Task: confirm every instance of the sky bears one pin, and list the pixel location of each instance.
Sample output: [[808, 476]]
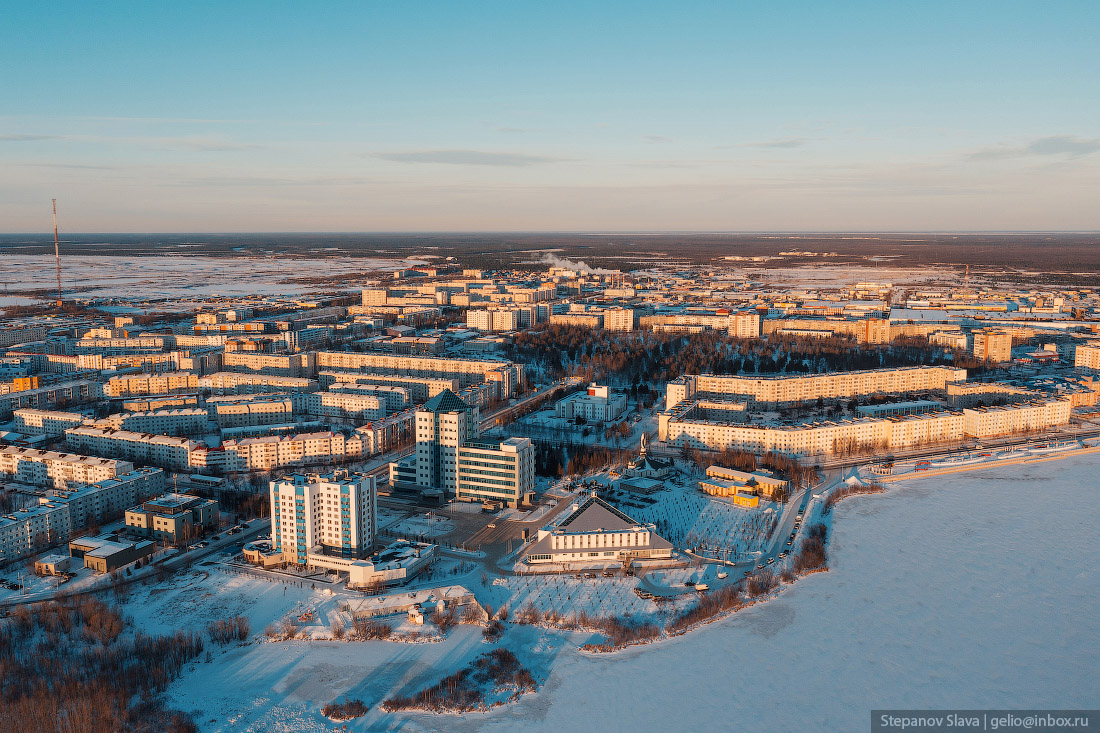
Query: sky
[[516, 116]]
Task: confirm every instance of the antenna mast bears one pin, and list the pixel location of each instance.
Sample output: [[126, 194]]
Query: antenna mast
[[56, 253]]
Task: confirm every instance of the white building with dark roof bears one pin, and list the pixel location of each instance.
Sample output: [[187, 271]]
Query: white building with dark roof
[[595, 532]]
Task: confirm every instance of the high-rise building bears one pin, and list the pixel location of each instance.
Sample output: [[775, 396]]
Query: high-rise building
[[498, 470], [992, 345], [331, 514], [443, 423]]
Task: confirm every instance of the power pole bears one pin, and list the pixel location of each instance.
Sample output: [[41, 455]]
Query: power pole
[[56, 253]]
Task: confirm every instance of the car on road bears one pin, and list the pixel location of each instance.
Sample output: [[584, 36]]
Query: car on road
[[760, 566], [491, 525], [783, 554], [590, 575], [771, 560], [748, 573], [723, 575], [790, 542]]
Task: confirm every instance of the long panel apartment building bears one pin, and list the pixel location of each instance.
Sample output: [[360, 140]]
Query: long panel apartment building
[[789, 390], [506, 375]]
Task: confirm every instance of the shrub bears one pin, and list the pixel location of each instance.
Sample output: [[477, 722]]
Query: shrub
[[224, 631], [346, 710], [338, 630], [709, 606], [493, 631], [761, 583]]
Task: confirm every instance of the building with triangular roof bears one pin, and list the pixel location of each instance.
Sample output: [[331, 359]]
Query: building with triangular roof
[[596, 533]]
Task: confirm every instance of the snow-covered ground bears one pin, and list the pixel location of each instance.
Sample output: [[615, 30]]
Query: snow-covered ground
[[973, 590]]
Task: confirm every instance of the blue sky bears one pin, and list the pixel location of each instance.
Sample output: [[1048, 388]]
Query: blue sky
[[717, 116]]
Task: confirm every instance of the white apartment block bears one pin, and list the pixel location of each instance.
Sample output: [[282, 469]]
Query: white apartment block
[[824, 437], [155, 450], [596, 404], [744, 324], [45, 422], [27, 531], [508, 376], [395, 398], [380, 436], [618, 319], [1087, 356], [146, 384], [493, 320], [281, 451], [251, 410], [21, 335], [327, 514], [46, 468], [421, 389], [501, 471], [51, 396], [280, 365], [992, 345], [184, 421], [107, 499], [341, 404], [231, 383], [587, 320], [777, 390]]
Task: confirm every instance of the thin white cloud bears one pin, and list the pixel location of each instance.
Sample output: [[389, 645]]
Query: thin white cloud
[[467, 157], [23, 137], [1067, 146], [786, 142], [656, 139]]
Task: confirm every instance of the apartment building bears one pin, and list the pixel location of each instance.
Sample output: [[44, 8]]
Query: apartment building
[[394, 398], [32, 530], [993, 345], [341, 404], [29, 421], [149, 384], [280, 365], [618, 319], [584, 319], [272, 452], [1087, 356], [108, 499], [789, 390], [51, 468], [54, 395], [502, 471], [232, 383], [238, 411], [506, 375], [744, 325], [185, 421], [380, 436], [421, 389], [21, 335], [323, 514], [154, 450]]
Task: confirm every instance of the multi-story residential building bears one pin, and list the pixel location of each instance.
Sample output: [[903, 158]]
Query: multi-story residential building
[[21, 335], [45, 422], [281, 451], [443, 423], [231, 383], [618, 319], [50, 468], [146, 384], [236, 411], [781, 389], [342, 404], [587, 320], [395, 398], [108, 499], [50, 396], [508, 376], [155, 450], [744, 325], [993, 345], [421, 389], [597, 403], [280, 365], [173, 517], [27, 531], [1087, 356], [496, 471], [323, 514], [185, 421]]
